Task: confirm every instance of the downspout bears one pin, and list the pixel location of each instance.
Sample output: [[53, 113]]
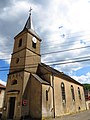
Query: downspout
[[53, 95]]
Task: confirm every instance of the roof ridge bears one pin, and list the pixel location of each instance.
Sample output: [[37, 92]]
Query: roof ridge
[[56, 72]]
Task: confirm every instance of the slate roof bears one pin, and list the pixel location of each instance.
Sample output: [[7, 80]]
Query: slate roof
[[40, 79], [2, 86], [28, 27], [59, 74]]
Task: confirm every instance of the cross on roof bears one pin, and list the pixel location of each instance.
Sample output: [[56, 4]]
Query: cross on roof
[[30, 10]]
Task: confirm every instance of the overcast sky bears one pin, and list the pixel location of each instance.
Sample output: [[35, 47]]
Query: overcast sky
[[61, 24]]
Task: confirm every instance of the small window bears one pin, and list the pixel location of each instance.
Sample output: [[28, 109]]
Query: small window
[[79, 94], [46, 95], [17, 60], [14, 82], [72, 92], [20, 43], [63, 92], [33, 45]]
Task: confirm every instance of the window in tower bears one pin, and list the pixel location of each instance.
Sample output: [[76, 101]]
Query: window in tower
[[20, 43], [33, 44], [34, 41], [17, 60], [14, 82]]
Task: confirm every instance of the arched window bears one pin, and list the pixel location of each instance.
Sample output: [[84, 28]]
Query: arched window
[[63, 92], [46, 95], [79, 94], [14, 82], [20, 43], [72, 92]]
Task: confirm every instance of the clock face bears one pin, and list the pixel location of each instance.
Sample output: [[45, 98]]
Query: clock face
[[34, 40]]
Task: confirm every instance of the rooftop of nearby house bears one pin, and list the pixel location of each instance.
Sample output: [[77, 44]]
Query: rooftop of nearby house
[[2, 86]]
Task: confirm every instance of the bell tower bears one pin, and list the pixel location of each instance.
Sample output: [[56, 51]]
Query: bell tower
[[26, 52], [25, 59]]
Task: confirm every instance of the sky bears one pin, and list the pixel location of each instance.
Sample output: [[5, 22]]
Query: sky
[[63, 26]]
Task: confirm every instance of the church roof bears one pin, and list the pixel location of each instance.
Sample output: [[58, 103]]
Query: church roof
[[58, 73], [40, 79], [28, 24]]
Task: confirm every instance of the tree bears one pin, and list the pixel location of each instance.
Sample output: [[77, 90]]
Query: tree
[[86, 86]]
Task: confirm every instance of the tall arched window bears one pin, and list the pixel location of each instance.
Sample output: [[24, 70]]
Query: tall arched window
[[63, 92], [20, 43], [79, 94], [72, 92], [46, 95]]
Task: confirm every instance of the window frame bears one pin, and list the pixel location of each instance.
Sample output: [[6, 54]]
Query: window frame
[[63, 93], [79, 93], [72, 92]]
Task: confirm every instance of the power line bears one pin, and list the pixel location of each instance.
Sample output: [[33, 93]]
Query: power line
[[61, 63], [68, 37], [17, 68], [66, 50], [16, 57], [64, 44], [55, 46], [83, 57], [69, 62], [68, 59]]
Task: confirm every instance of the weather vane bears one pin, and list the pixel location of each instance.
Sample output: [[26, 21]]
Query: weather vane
[[30, 10]]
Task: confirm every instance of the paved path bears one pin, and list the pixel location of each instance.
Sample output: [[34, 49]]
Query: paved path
[[85, 115]]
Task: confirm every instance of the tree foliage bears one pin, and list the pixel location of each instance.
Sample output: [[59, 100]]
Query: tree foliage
[[86, 86]]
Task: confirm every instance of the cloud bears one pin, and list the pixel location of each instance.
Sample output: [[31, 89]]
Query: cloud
[[74, 18], [12, 20], [47, 19], [83, 78]]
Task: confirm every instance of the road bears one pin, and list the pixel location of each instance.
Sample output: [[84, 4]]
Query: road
[[85, 115]]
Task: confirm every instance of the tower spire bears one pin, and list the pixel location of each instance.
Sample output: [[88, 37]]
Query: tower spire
[[28, 24]]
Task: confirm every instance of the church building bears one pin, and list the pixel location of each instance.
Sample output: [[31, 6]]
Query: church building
[[35, 89]]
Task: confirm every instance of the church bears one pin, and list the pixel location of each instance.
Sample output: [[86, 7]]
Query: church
[[34, 89]]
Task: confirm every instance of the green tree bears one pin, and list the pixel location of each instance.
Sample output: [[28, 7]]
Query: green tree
[[86, 86]]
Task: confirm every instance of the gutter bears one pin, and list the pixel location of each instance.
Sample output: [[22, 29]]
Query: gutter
[[53, 96]]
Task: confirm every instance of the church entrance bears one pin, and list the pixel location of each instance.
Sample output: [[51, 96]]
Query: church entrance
[[11, 107]]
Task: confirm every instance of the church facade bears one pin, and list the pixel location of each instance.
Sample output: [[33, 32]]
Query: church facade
[[34, 89]]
